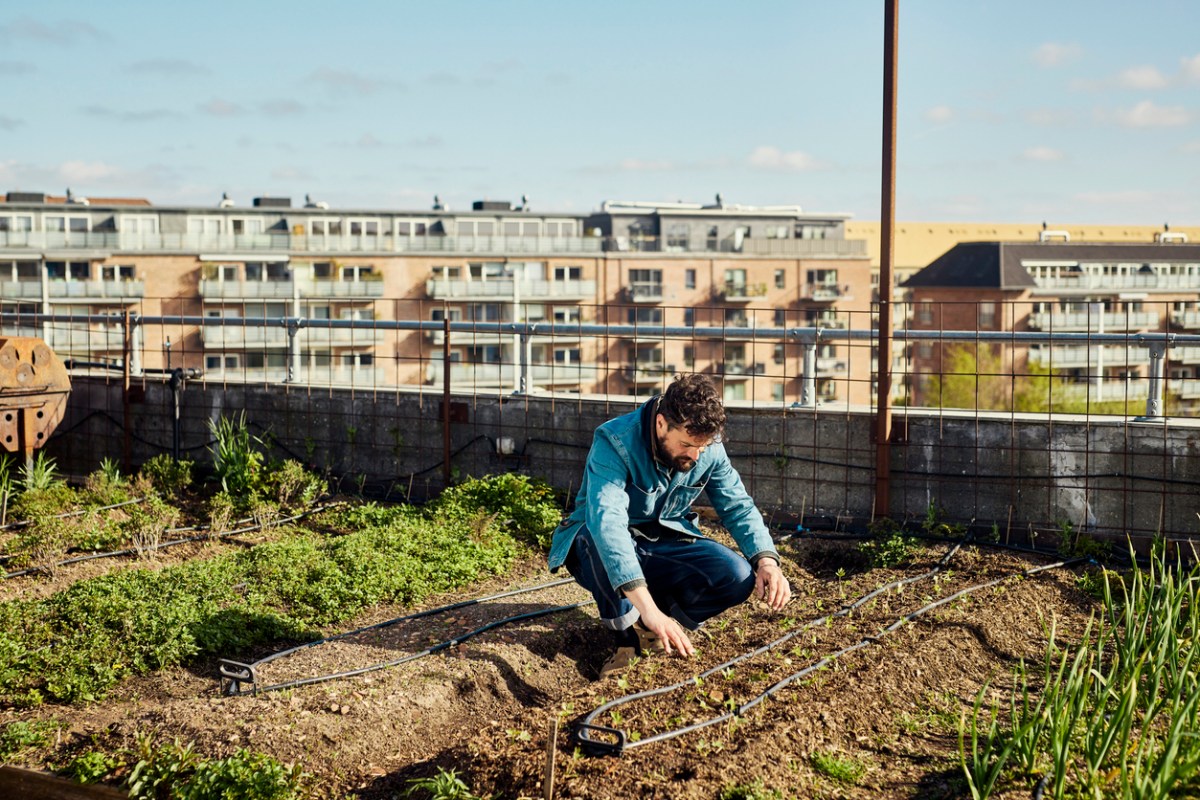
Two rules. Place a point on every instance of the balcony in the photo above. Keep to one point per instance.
(127, 290)
(1188, 354)
(320, 288)
(1185, 319)
(236, 337)
(1185, 389)
(21, 290)
(649, 372)
(213, 289)
(507, 374)
(1092, 283)
(735, 370)
(508, 289)
(824, 292)
(352, 377)
(281, 243)
(644, 292)
(1086, 321)
(829, 367)
(813, 248)
(741, 292)
(342, 337)
(84, 340)
(1074, 356)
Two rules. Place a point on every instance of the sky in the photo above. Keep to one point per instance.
(1074, 111)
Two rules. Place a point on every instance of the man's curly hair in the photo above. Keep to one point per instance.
(693, 402)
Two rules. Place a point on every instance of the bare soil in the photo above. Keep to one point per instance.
(485, 707)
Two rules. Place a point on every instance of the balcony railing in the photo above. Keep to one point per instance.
(358, 377)
(1185, 319)
(734, 292)
(21, 290)
(644, 292)
(294, 243)
(1068, 356)
(327, 287)
(740, 369)
(823, 248)
(507, 374)
(823, 292)
(127, 290)
(1086, 321)
(233, 337)
(213, 289)
(1087, 282)
(507, 288)
(649, 372)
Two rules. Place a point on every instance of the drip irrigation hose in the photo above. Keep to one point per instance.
(23, 523)
(620, 740)
(234, 674)
(164, 545)
(587, 722)
(1039, 790)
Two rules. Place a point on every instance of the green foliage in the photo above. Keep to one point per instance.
(889, 545)
(446, 785)
(147, 522)
(75, 645)
(294, 487)
(106, 486)
(844, 769)
(42, 473)
(17, 737)
(175, 770)
(525, 505)
(236, 461)
(168, 476)
(749, 791)
(37, 504)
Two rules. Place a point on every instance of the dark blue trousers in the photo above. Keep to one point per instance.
(692, 580)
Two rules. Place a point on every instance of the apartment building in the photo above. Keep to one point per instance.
(1054, 284)
(650, 265)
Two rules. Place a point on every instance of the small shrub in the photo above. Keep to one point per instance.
(222, 511)
(42, 545)
(92, 767)
(17, 737)
(42, 473)
(168, 476)
(294, 487)
(889, 547)
(237, 464)
(106, 486)
(524, 505)
(749, 791)
(36, 504)
(147, 522)
(841, 768)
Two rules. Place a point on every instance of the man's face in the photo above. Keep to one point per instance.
(676, 446)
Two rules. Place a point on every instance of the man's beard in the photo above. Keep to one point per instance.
(678, 463)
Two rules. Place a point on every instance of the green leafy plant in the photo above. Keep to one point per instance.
(41, 473)
(749, 791)
(524, 505)
(237, 463)
(445, 785)
(168, 476)
(294, 487)
(17, 737)
(889, 546)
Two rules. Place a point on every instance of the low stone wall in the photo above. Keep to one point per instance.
(1018, 473)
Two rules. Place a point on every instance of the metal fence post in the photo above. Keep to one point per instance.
(1154, 392)
(808, 376)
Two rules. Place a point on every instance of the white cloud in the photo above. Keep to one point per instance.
(772, 158)
(1189, 68)
(16, 68)
(1042, 153)
(66, 32)
(86, 171)
(220, 108)
(10, 123)
(145, 115)
(337, 80)
(939, 114)
(1190, 147)
(1054, 54)
(1141, 77)
(1148, 115)
(1051, 117)
(281, 108)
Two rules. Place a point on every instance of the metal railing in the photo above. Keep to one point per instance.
(525, 373)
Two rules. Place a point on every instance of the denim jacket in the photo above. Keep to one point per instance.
(624, 486)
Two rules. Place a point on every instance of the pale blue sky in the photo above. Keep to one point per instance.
(1068, 111)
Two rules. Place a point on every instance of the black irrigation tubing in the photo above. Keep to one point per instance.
(234, 673)
(622, 743)
(65, 515)
(164, 545)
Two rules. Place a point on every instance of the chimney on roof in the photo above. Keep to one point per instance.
(272, 202)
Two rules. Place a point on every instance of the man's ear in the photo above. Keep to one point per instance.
(660, 425)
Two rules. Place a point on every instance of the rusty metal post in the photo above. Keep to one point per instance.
(126, 410)
(446, 401)
(883, 367)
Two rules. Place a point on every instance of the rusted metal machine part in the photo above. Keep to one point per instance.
(34, 386)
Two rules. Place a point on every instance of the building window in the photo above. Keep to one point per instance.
(412, 227)
(712, 241)
(17, 224)
(925, 312)
(777, 392)
(645, 316)
(566, 314)
(987, 314)
(736, 318)
(781, 279)
(64, 224)
(689, 317)
(566, 355)
(780, 318)
(734, 391)
(116, 272)
(778, 355)
(568, 273)
(138, 223)
(689, 279)
(246, 226)
(689, 356)
(677, 237)
(364, 227)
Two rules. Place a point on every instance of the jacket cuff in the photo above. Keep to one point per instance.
(771, 554)
(629, 586)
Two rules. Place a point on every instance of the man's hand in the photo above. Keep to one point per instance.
(769, 584)
(674, 637)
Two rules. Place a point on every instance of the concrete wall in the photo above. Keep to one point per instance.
(1017, 472)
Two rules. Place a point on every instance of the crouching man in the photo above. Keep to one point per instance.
(632, 540)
